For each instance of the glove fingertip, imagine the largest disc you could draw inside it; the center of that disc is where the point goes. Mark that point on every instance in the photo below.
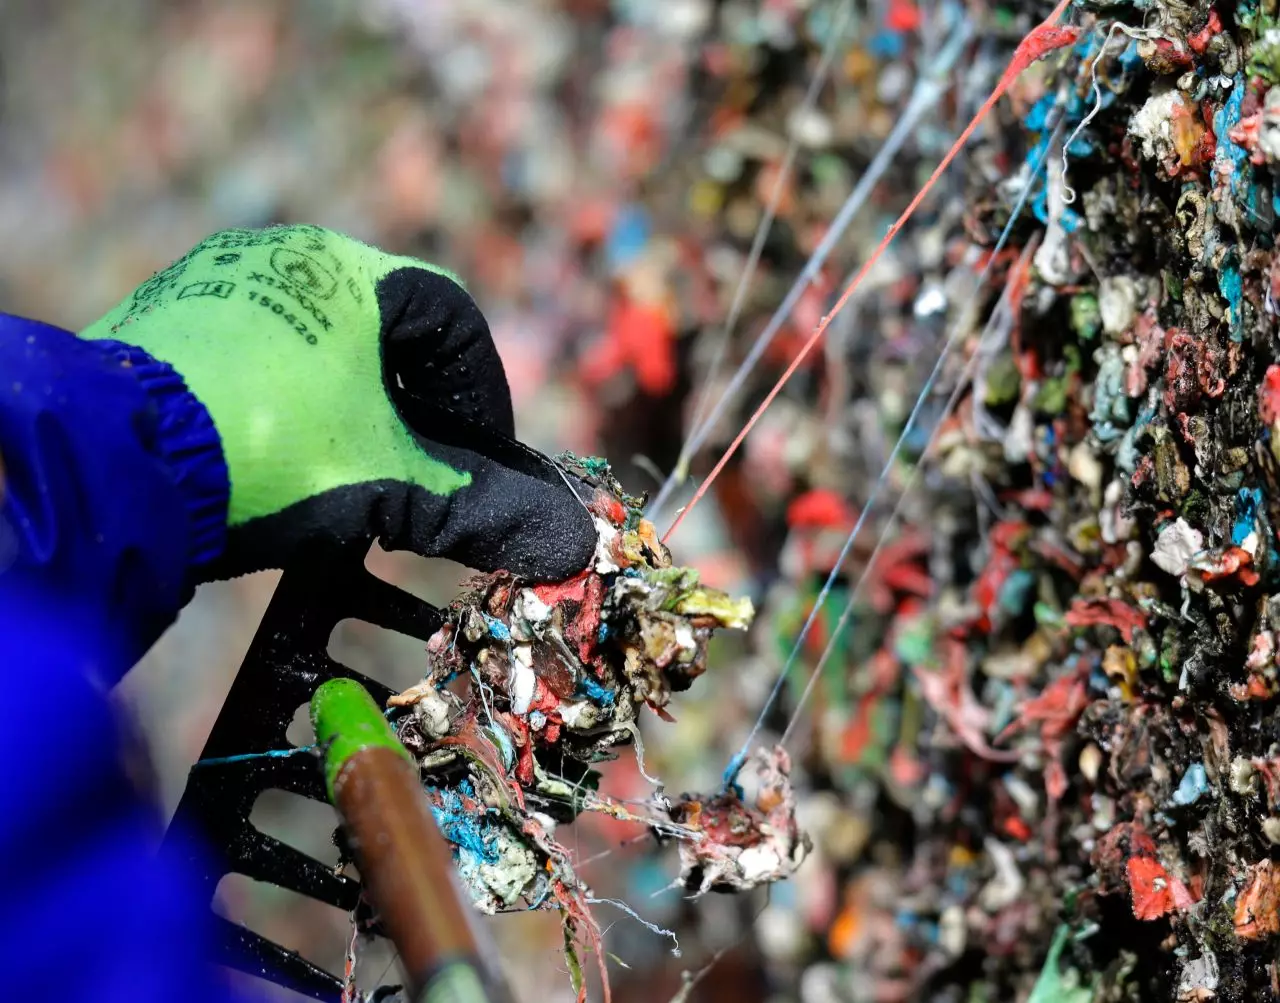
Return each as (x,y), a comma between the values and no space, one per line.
(509,521)
(563,550)
(436,341)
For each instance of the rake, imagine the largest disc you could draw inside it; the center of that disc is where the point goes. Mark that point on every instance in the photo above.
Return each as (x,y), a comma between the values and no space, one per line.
(285,664)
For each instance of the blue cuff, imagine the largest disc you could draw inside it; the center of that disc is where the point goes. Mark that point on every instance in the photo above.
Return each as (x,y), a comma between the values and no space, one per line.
(115,497)
(184,439)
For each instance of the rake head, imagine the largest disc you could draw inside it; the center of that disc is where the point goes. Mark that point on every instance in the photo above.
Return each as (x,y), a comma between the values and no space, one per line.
(285,664)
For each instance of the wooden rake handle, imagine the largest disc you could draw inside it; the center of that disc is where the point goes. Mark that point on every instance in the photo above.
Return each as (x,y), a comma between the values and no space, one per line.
(405,864)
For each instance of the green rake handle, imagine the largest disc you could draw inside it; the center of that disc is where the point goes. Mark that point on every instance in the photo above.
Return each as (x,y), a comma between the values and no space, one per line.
(405,864)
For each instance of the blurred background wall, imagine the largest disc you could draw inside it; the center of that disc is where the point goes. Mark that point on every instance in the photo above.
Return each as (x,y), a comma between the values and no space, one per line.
(596,171)
(521,144)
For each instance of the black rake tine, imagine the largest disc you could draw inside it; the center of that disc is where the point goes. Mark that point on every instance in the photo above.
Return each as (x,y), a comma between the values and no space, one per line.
(248,752)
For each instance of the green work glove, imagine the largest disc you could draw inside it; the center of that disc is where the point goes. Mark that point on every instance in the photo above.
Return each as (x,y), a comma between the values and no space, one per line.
(296,340)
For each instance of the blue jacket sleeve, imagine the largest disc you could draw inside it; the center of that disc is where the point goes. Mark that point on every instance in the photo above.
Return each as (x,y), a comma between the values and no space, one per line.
(115,494)
(87,909)
(114,497)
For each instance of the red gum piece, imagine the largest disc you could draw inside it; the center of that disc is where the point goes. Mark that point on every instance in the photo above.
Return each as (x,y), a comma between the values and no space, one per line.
(1017,828)
(1111,612)
(1245,134)
(903,16)
(1271,777)
(1174,54)
(1005,534)
(1055,780)
(1230,561)
(1058,707)
(816,642)
(639,337)
(1269,396)
(949,693)
(571,590)
(586,625)
(1257,688)
(1200,40)
(1001,564)
(1208,145)
(543,698)
(1029,365)
(608,508)
(524,765)
(906,770)
(857,732)
(1042,41)
(985,258)
(898,570)
(524,748)
(1184,426)
(909,578)
(1209,364)
(1140,841)
(986,590)
(819,509)
(1019,278)
(1150,900)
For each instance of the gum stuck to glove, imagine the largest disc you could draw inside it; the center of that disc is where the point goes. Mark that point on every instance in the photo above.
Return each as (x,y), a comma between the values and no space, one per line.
(564,667)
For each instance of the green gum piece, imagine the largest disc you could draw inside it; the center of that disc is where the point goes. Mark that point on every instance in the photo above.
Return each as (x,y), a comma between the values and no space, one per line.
(347,721)
(730,612)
